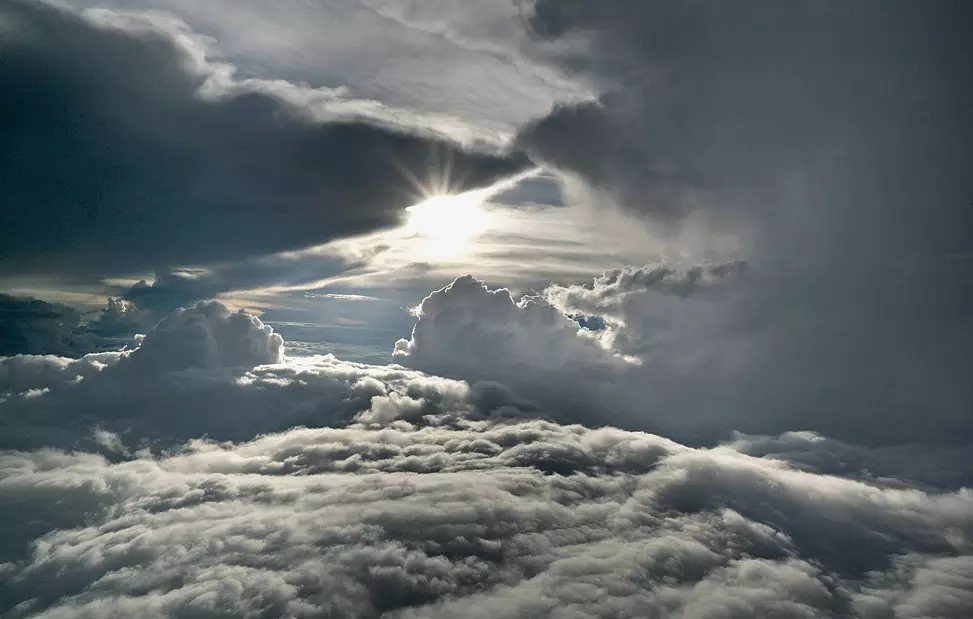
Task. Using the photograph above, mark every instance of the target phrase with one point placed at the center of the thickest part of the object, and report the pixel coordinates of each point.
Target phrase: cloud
(31, 326)
(810, 451)
(173, 287)
(707, 107)
(166, 158)
(207, 336)
(173, 478)
(646, 310)
(467, 331)
(472, 518)
(206, 370)
(695, 352)
(408, 494)
(819, 144)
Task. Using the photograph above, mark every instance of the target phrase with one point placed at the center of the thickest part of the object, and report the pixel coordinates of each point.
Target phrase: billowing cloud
(207, 370)
(828, 142)
(410, 495)
(467, 331)
(475, 519)
(467, 325)
(778, 431)
(819, 143)
(127, 146)
(698, 351)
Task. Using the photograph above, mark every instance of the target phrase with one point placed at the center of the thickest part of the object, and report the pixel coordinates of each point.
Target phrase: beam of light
(447, 225)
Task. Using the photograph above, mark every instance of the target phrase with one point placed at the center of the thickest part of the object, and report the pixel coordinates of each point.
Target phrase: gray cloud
(174, 479)
(829, 142)
(31, 326)
(807, 117)
(126, 148)
(173, 288)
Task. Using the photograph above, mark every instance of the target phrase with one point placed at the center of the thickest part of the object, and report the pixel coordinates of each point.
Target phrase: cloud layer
(475, 519)
(414, 495)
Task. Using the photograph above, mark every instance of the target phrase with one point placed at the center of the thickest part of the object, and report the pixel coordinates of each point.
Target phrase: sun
(448, 225)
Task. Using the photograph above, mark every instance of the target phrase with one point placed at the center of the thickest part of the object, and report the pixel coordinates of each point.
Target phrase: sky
(506, 308)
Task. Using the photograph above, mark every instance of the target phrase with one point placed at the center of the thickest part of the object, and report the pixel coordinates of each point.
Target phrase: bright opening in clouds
(447, 225)
(567, 309)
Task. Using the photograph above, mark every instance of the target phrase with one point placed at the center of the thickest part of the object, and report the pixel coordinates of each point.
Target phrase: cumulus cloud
(206, 370)
(688, 350)
(647, 311)
(125, 138)
(208, 336)
(200, 471)
(467, 331)
(467, 325)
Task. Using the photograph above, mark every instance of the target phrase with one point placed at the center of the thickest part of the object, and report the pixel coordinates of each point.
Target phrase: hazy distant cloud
(173, 288)
(117, 162)
(890, 465)
(31, 326)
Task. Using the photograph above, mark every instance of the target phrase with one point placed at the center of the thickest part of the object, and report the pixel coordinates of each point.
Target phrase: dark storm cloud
(832, 142)
(173, 288)
(113, 161)
(857, 114)
(30, 326)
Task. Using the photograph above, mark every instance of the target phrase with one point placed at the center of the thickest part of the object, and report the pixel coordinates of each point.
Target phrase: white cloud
(464, 71)
(207, 336)
(695, 352)
(207, 371)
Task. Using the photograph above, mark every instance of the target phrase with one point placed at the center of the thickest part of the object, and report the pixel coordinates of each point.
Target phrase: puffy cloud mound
(467, 331)
(467, 326)
(695, 352)
(647, 309)
(209, 335)
(471, 518)
(206, 370)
